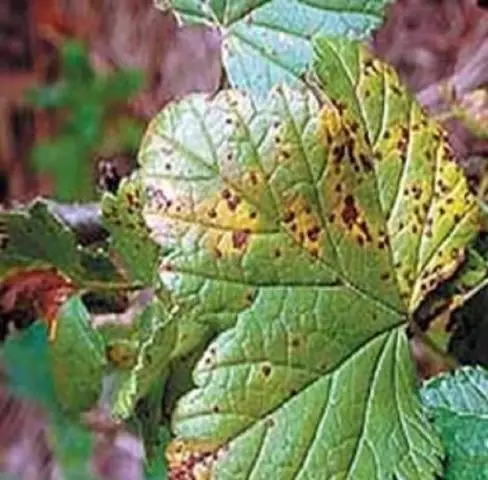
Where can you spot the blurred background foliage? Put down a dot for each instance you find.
(93, 122)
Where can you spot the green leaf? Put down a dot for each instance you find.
(65, 159)
(53, 96)
(77, 358)
(130, 238)
(158, 335)
(36, 238)
(310, 230)
(459, 404)
(266, 42)
(157, 468)
(26, 359)
(121, 85)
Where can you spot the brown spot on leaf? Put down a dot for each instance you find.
(266, 369)
(349, 213)
(269, 423)
(240, 238)
(226, 194)
(289, 216)
(253, 177)
(313, 233)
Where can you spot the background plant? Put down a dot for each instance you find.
(93, 122)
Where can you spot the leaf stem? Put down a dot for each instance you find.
(110, 286)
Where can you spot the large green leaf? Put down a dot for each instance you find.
(459, 403)
(35, 237)
(268, 41)
(316, 229)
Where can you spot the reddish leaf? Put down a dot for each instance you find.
(42, 291)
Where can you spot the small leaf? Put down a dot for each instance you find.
(266, 42)
(441, 314)
(77, 358)
(156, 344)
(459, 404)
(129, 233)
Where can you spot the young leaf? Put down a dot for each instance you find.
(459, 404)
(77, 358)
(268, 41)
(284, 220)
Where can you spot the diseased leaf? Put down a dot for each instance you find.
(35, 238)
(129, 234)
(459, 404)
(266, 42)
(252, 401)
(431, 213)
(77, 358)
(281, 225)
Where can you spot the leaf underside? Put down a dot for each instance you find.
(267, 42)
(316, 228)
(459, 403)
